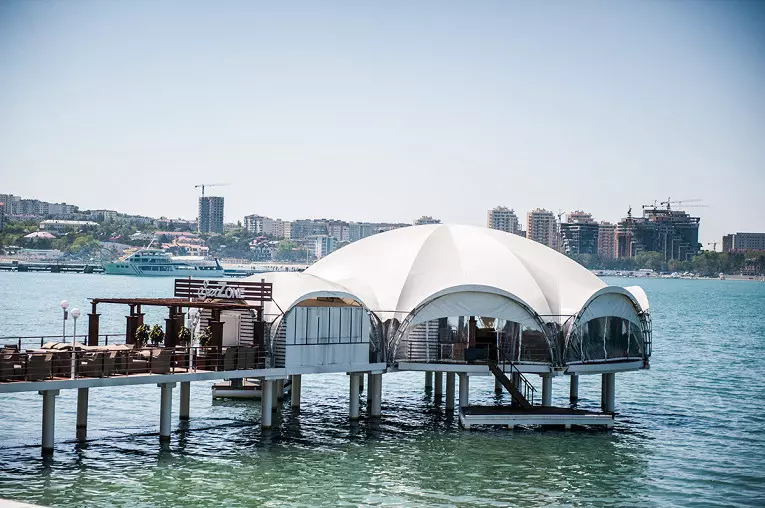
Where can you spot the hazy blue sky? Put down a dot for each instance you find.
(386, 110)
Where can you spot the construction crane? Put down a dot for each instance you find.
(670, 202)
(714, 246)
(203, 185)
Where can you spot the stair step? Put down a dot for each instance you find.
(509, 385)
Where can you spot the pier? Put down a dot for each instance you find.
(361, 313)
(52, 267)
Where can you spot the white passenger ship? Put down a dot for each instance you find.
(158, 263)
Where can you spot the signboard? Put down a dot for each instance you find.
(223, 290)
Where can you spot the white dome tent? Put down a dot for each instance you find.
(415, 274)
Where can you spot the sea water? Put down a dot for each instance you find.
(690, 431)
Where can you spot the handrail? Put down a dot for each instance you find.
(61, 364)
(21, 340)
(528, 388)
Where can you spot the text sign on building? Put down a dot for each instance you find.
(223, 290)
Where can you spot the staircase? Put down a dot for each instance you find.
(518, 396)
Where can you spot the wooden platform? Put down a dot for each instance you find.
(537, 415)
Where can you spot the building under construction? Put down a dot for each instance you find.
(672, 232)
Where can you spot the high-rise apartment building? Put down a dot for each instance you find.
(674, 233)
(210, 214)
(607, 240)
(579, 234)
(503, 219)
(320, 245)
(743, 241)
(542, 227)
(339, 230)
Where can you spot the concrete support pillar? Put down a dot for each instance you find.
(438, 387)
(370, 390)
(547, 390)
(361, 383)
(295, 395)
(274, 395)
(48, 419)
(428, 380)
(280, 389)
(354, 396)
(82, 414)
(185, 399)
(464, 389)
(450, 391)
(165, 410)
(266, 396)
(376, 388)
(498, 388)
(608, 395)
(574, 392)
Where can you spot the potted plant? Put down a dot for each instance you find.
(205, 355)
(142, 336)
(184, 336)
(157, 335)
(205, 337)
(184, 340)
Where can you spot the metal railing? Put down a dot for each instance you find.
(32, 341)
(526, 388)
(65, 362)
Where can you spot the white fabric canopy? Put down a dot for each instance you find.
(395, 272)
(290, 288)
(611, 301)
(468, 303)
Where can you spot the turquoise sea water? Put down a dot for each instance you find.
(691, 430)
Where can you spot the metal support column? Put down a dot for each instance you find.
(274, 395)
(165, 410)
(428, 380)
(464, 389)
(450, 391)
(610, 395)
(438, 390)
(185, 399)
(82, 414)
(267, 393)
(354, 396)
(546, 390)
(574, 392)
(48, 419)
(498, 388)
(377, 396)
(295, 394)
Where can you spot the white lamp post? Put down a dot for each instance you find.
(64, 306)
(75, 315)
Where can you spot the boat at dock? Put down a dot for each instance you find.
(158, 263)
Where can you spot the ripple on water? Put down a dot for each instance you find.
(689, 431)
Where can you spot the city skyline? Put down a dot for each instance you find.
(386, 114)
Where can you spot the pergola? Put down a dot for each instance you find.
(175, 319)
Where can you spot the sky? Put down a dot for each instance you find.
(386, 111)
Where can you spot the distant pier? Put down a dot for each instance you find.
(51, 267)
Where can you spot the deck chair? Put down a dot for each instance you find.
(39, 367)
(160, 363)
(230, 357)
